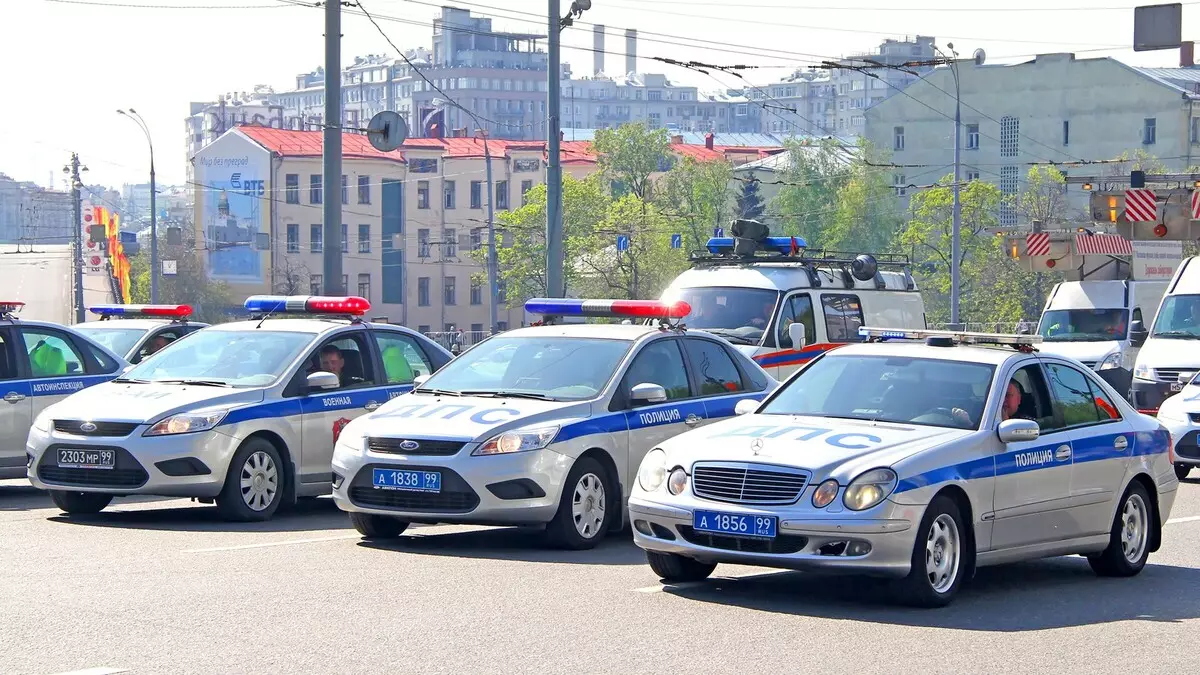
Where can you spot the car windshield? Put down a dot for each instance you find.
(1179, 317)
(740, 315)
(888, 389)
(118, 340)
(224, 357)
(555, 368)
(1083, 325)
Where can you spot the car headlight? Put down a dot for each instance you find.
(42, 422)
(521, 440)
(1113, 360)
(653, 471)
(677, 481)
(1142, 372)
(825, 493)
(869, 489)
(186, 423)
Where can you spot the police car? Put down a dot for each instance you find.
(916, 461)
(244, 413)
(542, 425)
(137, 331)
(40, 365)
(1180, 414)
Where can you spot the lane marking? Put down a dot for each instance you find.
(1186, 519)
(288, 542)
(97, 671)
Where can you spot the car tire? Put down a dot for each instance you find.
(1129, 539)
(586, 508)
(375, 526)
(939, 559)
(676, 569)
(254, 483)
(1182, 471)
(80, 503)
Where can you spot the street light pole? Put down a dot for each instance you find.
(136, 117)
(956, 227)
(77, 269)
(555, 287)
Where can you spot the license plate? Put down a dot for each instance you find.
(737, 525)
(1177, 386)
(78, 458)
(409, 481)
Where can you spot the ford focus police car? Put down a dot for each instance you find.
(137, 331)
(244, 413)
(916, 461)
(1180, 414)
(40, 365)
(540, 425)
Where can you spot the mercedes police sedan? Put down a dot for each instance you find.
(244, 414)
(543, 425)
(915, 461)
(137, 331)
(41, 364)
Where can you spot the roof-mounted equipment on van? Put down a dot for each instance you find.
(950, 338)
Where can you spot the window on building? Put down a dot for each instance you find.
(345, 287)
(424, 328)
(345, 238)
(1149, 131)
(1010, 133)
(448, 194)
(1195, 130)
(1066, 132)
(1009, 183)
(364, 189)
(423, 294)
(899, 184)
(476, 194)
(422, 165)
(314, 188)
(345, 190)
(423, 243)
(316, 235)
(422, 194)
(364, 238)
(364, 286)
(972, 175)
(316, 284)
(449, 296)
(972, 136)
(897, 138)
(502, 194)
(476, 328)
(654, 95)
(501, 326)
(450, 242)
(476, 238)
(501, 291)
(292, 190)
(293, 237)
(476, 291)
(526, 186)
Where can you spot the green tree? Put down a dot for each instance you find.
(696, 197)
(631, 153)
(816, 172)
(190, 285)
(644, 269)
(866, 216)
(749, 201)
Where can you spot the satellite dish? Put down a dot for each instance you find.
(980, 56)
(387, 131)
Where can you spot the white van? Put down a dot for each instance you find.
(1170, 356)
(753, 301)
(1101, 324)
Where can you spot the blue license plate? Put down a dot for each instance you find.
(736, 525)
(410, 481)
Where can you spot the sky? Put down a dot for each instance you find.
(70, 64)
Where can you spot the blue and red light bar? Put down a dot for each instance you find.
(631, 309)
(306, 304)
(719, 245)
(164, 311)
(10, 306)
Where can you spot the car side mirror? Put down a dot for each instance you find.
(1019, 431)
(1138, 333)
(745, 406)
(797, 335)
(420, 380)
(322, 380)
(647, 393)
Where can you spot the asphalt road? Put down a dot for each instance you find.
(164, 587)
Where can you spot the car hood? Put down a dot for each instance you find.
(469, 418)
(142, 403)
(1170, 353)
(1081, 351)
(827, 447)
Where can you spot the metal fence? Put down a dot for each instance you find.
(464, 340)
(1005, 327)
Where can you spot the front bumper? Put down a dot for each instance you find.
(1147, 395)
(1187, 441)
(182, 465)
(807, 538)
(521, 488)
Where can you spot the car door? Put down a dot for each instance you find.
(716, 378)
(1033, 478)
(16, 407)
(797, 308)
(57, 366)
(660, 362)
(402, 360)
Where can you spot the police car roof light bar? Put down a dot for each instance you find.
(306, 304)
(959, 337)
(632, 309)
(166, 311)
(719, 245)
(10, 306)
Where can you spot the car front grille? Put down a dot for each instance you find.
(784, 543)
(1171, 374)
(456, 495)
(110, 429)
(391, 446)
(127, 472)
(1089, 364)
(748, 483)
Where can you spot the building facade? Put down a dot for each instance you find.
(31, 214)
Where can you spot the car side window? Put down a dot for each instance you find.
(661, 363)
(1104, 405)
(714, 369)
(1073, 396)
(106, 362)
(797, 308)
(51, 354)
(160, 340)
(346, 356)
(1036, 403)
(843, 316)
(403, 360)
(8, 360)
(756, 378)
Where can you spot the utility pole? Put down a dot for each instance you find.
(956, 227)
(331, 153)
(154, 269)
(493, 283)
(555, 287)
(76, 184)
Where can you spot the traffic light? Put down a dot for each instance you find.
(96, 234)
(1112, 208)
(174, 236)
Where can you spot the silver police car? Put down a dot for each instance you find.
(137, 331)
(915, 461)
(244, 413)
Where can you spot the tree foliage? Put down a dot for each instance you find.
(749, 201)
(630, 153)
(696, 197)
(190, 285)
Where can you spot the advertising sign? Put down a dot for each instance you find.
(1156, 260)
(233, 173)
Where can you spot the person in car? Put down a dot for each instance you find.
(1009, 409)
(332, 361)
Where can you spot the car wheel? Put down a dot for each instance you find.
(376, 526)
(1129, 540)
(1182, 471)
(938, 559)
(254, 483)
(675, 569)
(585, 509)
(80, 502)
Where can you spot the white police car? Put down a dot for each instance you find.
(1180, 414)
(243, 413)
(540, 425)
(916, 461)
(137, 331)
(41, 364)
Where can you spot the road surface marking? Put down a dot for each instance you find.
(97, 671)
(1187, 519)
(287, 542)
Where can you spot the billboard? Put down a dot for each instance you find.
(232, 174)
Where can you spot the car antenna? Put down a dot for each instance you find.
(264, 318)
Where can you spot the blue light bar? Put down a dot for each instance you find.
(165, 311)
(634, 309)
(960, 337)
(306, 304)
(719, 245)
